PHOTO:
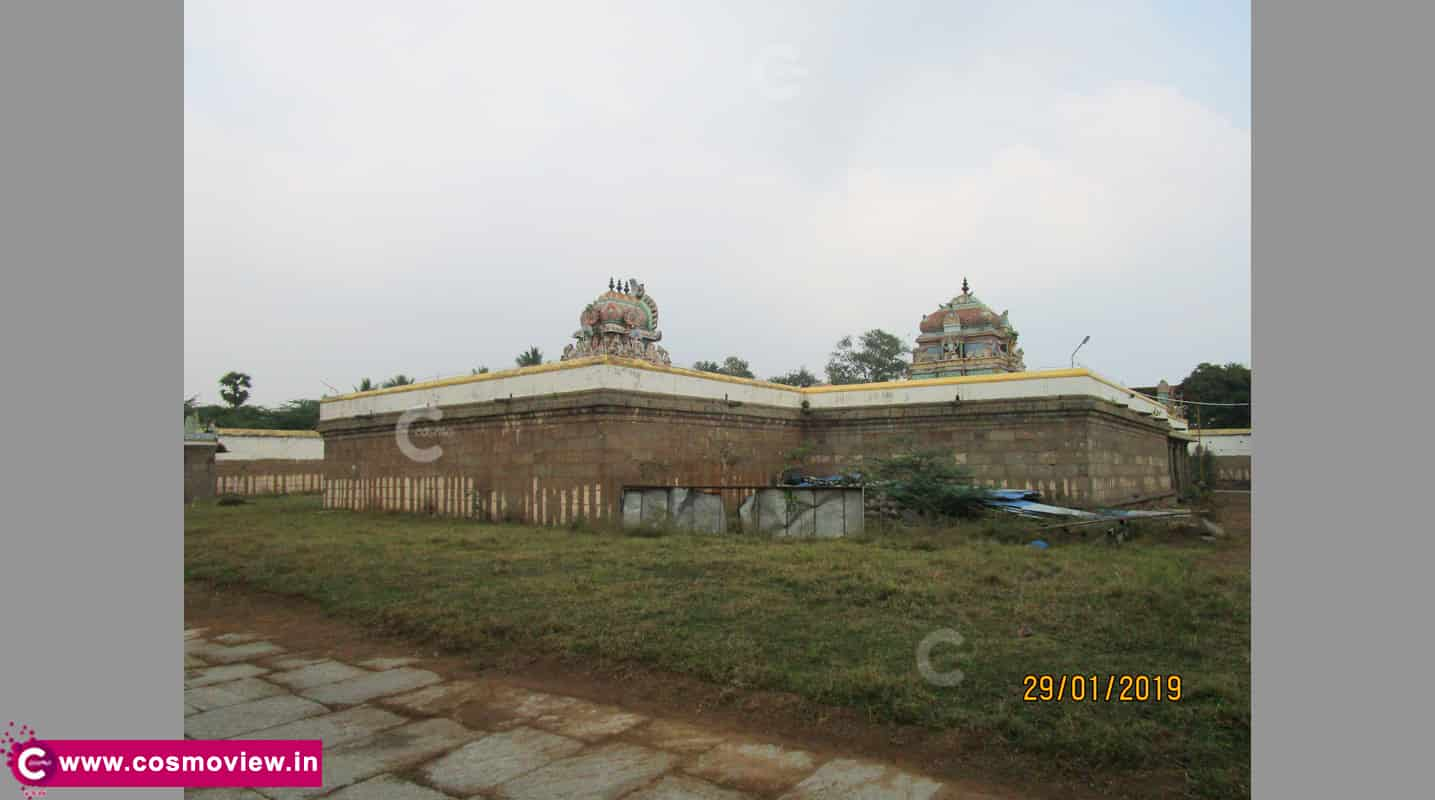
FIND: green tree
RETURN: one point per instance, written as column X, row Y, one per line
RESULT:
column 531, row 357
column 732, row 365
column 877, row 356
column 928, row 483
column 365, row 385
column 480, row 370
column 234, row 388
column 1213, row 383
column 797, row 377
column 398, row 380
column 191, row 404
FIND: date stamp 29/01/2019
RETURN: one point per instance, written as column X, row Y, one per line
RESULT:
column 1094, row 688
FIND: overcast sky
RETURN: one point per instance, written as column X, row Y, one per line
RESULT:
column 426, row 187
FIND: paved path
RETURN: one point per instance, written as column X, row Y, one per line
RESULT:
column 390, row 732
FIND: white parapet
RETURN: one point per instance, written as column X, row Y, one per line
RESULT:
column 611, row 373
column 249, row 444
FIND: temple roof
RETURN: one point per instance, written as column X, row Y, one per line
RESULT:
column 967, row 310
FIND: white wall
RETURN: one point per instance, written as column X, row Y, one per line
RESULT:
column 1224, row 444
column 253, row 448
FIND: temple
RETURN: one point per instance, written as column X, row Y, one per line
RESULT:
column 623, row 321
column 965, row 337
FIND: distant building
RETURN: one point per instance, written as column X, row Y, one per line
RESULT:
column 200, row 446
column 259, row 461
column 965, row 337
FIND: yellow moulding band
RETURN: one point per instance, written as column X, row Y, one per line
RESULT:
column 270, row 432
column 1220, row 431
column 713, row 376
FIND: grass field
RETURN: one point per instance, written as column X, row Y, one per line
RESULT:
column 837, row 622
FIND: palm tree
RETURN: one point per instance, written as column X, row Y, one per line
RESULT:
column 398, row 380
column 234, row 388
column 531, row 357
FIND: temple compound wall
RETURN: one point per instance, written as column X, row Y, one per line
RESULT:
column 260, row 461
column 558, row 442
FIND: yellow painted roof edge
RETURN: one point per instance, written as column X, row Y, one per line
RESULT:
column 273, row 432
column 714, row 376
column 1220, row 431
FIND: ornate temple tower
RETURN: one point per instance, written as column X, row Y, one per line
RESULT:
column 964, row 337
column 623, row 321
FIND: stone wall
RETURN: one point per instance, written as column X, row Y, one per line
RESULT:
column 554, row 459
column 558, row 442
column 1072, row 449
column 1232, row 472
column 269, row 476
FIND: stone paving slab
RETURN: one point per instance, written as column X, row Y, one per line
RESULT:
column 221, row 674
column 676, row 737
column 496, row 758
column 224, row 654
column 222, row 723
column 523, row 704
column 381, row 664
column 367, row 687
column 685, row 787
column 237, row 638
column 588, row 721
column 286, row 663
column 862, row 780
column 761, row 768
column 317, row 675
column 336, row 729
column 602, row 773
column 387, row 787
column 207, row 698
column 440, row 698
column 388, row 751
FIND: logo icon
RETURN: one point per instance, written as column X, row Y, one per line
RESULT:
column 31, row 761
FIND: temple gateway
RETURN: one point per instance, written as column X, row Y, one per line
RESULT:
column 964, row 337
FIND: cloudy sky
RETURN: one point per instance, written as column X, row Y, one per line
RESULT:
column 427, row 187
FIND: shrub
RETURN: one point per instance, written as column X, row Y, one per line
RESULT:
column 929, row 484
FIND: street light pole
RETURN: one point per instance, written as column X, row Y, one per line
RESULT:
column 1078, row 347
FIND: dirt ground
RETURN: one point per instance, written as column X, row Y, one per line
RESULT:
column 974, row 770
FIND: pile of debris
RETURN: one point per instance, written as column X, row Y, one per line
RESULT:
column 1027, row 504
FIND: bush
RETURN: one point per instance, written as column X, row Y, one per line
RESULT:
column 929, row 484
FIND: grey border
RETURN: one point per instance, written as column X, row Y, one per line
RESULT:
column 91, row 305
column 1341, row 605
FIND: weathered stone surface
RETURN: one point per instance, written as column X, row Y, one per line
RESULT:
column 336, row 729
column 382, row 664
column 655, row 507
column 847, row 778
column 754, row 767
column 829, row 518
column 442, row 698
column 393, row 749
column 854, row 503
column 496, row 758
column 221, row 674
column 387, row 787
column 236, row 638
column 220, row 695
column 222, row 723
column 685, row 787
column 286, row 663
column 676, row 737
column 524, row 704
column 366, row 687
column 317, row 675
column 193, row 633
column 189, row 709
column 632, row 509
column 587, row 721
column 193, row 662
column 698, row 512
column 603, row 773
column 223, row 654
